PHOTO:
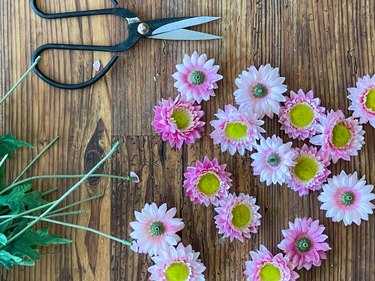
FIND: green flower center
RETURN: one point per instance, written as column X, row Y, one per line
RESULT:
column 259, row 91
column 235, row 130
column 273, row 160
column 197, row 77
column 209, row 184
column 157, row 228
column 303, row 244
column 269, row 272
column 183, row 118
column 177, row 271
column 306, row 168
column 370, row 100
column 341, row 135
column 301, row 115
column 347, row 198
column 242, row 216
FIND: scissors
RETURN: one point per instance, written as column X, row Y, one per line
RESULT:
column 166, row 29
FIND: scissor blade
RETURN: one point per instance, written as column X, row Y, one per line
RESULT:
column 183, row 24
column 184, row 34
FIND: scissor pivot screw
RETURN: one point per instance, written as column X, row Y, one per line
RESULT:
column 143, row 28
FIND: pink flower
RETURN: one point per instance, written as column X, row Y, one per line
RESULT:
column 345, row 198
column 310, row 171
column 236, row 130
column 237, row 216
column 300, row 115
column 134, row 177
column 197, row 77
column 263, row 266
column 178, row 121
column 177, row 264
column 340, row 138
column 363, row 100
column 155, row 229
column 207, row 182
column 304, row 243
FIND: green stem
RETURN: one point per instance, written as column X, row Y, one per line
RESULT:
column 78, row 212
column 77, row 203
column 3, row 160
column 49, row 191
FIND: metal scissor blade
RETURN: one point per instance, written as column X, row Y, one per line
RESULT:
column 189, row 22
column 184, row 34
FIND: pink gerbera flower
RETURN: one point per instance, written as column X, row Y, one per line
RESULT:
column 260, row 91
column 178, row 121
column 273, row 160
column 177, row 264
column 345, row 198
column 236, row 130
column 300, row 115
column 304, row 243
column 237, row 216
column 363, row 100
column 263, row 266
column 207, row 182
column 340, row 137
column 155, row 229
column 310, row 171
column 197, row 77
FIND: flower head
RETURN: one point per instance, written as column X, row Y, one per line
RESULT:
column 177, row 264
column 237, row 216
column 196, row 78
column 207, row 182
column 264, row 266
column 178, row 121
column 304, row 243
column 345, row 198
column 273, row 160
column 260, row 91
column 363, row 100
column 155, row 229
column 236, row 130
column 300, row 115
column 339, row 137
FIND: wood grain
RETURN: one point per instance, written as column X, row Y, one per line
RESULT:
column 321, row 45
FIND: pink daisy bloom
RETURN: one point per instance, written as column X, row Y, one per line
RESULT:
column 177, row 264
column 264, row 266
column 345, row 198
column 236, row 130
column 304, row 243
column 260, row 91
column 197, row 77
column 340, row 138
column 273, row 160
column 310, row 171
column 207, row 182
column 237, row 216
column 300, row 115
column 178, row 121
column 155, row 229
column 363, row 100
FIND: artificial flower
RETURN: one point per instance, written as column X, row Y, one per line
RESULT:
column 207, row 182
column 197, row 77
column 304, row 243
column 345, row 198
column 260, row 91
column 155, row 229
column 236, row 130
column 237, row 216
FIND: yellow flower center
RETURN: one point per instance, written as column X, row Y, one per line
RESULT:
column 209, row 184
column 183, row 118
column 370, row 100
column 341, row 135
column 306, row 168
column 301, row 115
column 242, row 216
column 235, row 130
column 269, row 272
column 177, row 271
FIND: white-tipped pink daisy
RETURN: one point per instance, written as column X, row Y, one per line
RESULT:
column 177, row 264
column 178, row 121
column 264, row 266
column 339, row 137
column 363, row 100
column 260, row 91
column 300, row 115
column 236, row 130
column 155, row 229
column 206, row 183
column 304, row 243
column 310, row 171
column 345, row 198
column 197, row 77
column 237, row 216
column 273, row 160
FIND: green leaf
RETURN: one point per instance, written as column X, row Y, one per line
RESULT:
column 3, row 239
column 8, row 260
column 8, row 145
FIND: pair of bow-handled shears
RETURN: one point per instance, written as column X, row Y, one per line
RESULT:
column 167, row 29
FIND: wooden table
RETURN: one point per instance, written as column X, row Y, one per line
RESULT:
column 321, row 45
